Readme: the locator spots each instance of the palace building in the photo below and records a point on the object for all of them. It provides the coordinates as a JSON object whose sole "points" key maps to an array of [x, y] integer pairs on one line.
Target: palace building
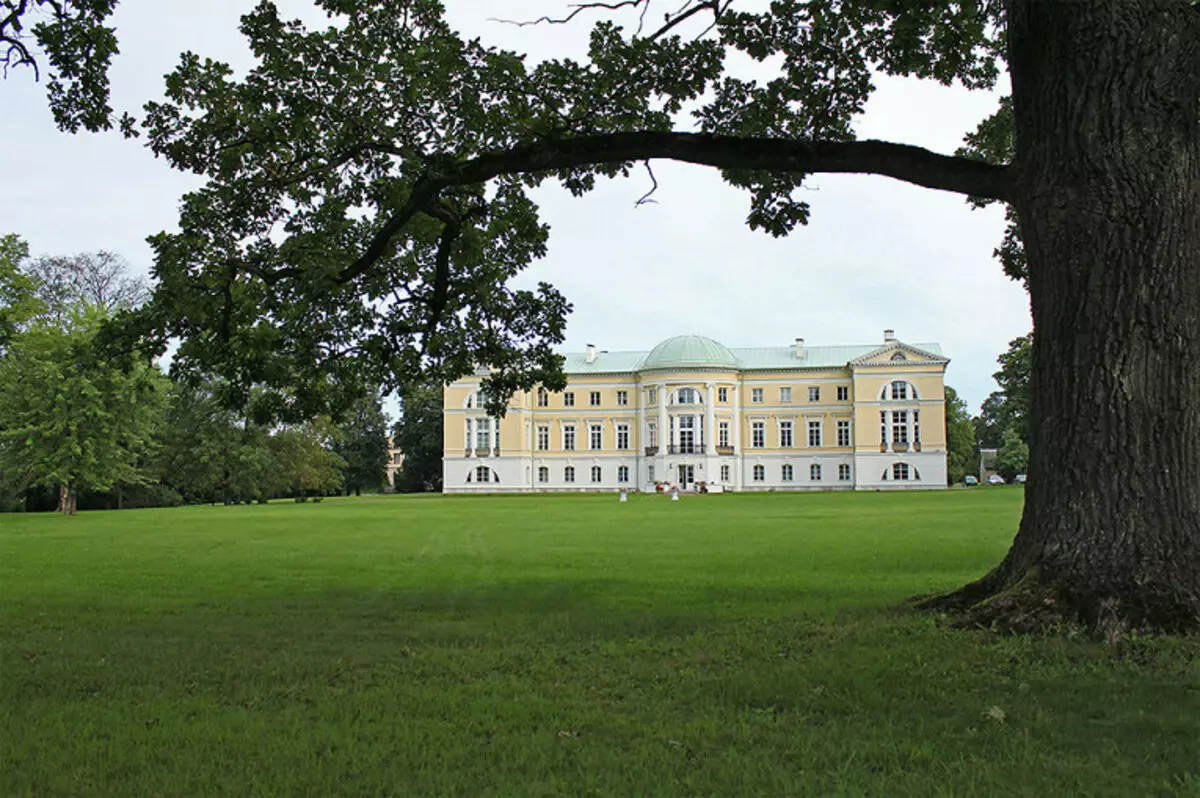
{"points": [[693, 411]]}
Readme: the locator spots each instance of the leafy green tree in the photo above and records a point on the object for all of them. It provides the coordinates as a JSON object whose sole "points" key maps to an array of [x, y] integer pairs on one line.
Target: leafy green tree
{"points": [[305, 466], [363, 215], [1008, 408], [18, 298], [76, 46], [418, 434], [71, 419], [361, 442], [1013, 457], [962, 453]]}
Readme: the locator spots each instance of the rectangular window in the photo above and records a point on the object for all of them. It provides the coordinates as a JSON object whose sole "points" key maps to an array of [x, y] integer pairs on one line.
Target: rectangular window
{"points": [[785, 395], [483, 434], [595, 436], [652, 434], [543, 474], [650, 473], [843, 393], [899, 426], [814, 394], [900, 471], [594, 399], [723, 433], [760, 473], [899, 390], [882, 427], [622, 474], [785, 435], [916, 426], [569, 437], [622, 436], [483, 474], [786, 473], [652, 396], [569, 399], [758, 434], [814, 433], [843, 433], [844, 472], [543, 398], [756, 395], [814, 472], [722, 394], [595, 473], [569, 474], [622, 398], [543, 438], [724, 473]]}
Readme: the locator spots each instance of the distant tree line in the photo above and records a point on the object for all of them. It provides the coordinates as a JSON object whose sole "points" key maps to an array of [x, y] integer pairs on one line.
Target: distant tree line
{"points": [[84, 427], [1002, 423]]}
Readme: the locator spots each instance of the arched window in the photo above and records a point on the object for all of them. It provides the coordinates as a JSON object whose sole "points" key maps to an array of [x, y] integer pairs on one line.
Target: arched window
{"points": [[543, 397], [483, 474], [814, 472], [899, 391], [901, 472], [569, 474], [687, 396], [760, 473], [543, 474], [596, 474]]}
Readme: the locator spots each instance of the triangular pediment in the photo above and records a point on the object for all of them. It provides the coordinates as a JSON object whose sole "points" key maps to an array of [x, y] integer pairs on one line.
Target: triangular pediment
{"points": [[898, 353]]}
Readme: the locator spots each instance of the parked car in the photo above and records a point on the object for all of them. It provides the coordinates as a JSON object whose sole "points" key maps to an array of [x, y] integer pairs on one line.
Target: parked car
{"points": [[995, 479], [1019, 479], [970, 480]]}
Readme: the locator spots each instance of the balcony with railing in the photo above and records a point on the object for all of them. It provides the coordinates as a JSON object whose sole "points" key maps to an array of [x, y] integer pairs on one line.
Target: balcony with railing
{"points": [[651, 451], [686, 448], [725, 450]]}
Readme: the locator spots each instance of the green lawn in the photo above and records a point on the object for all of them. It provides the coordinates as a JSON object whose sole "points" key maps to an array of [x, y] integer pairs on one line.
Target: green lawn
{"points": [[722, 645]]}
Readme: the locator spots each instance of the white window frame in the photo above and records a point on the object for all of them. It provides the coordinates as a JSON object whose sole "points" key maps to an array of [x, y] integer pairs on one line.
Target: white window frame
{"points": [[623, 474], [814, 472], [722, 433], [622, 398], [758, 434], [597, 475], [814, 393], [785, 396], [787, 434], [569, 474], [593, 399], [483, 474], [568, 437], [756, 396], [759, 473], [543, 437], [568, 398], [543, 474], [814, 434], [786, 473], [652, 396], [595, 437], [724, 473], [543, 397], [722, 394], [843, 433], [899, 426], [843, 393], [843, 472], [623, 436]]}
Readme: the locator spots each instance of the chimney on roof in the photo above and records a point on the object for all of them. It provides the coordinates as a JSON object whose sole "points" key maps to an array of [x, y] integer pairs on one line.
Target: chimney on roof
{"points": [[591, 353], [889, 336], [798, 350]]}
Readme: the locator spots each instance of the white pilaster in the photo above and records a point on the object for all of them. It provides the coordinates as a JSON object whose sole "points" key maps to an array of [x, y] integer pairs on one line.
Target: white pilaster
{"points": [[737, 438], [710, 425]]}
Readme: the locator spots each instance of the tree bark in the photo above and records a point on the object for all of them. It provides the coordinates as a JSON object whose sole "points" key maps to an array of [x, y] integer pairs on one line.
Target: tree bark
{"points": [[63, 493], [1107, 186]]}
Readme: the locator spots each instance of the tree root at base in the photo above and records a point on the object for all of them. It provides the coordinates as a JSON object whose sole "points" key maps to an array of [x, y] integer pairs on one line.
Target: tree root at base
{"points": [[1033, 604]]}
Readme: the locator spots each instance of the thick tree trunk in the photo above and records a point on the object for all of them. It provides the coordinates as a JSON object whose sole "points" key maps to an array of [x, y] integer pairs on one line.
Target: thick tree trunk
{"points": [[63, 494], [1107, 187]]}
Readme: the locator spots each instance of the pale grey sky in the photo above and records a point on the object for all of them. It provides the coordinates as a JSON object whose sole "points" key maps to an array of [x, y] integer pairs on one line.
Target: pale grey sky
{"points": [[877, 253]]}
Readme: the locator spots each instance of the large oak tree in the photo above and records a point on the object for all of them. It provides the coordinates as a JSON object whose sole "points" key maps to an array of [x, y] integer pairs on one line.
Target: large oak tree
{"points": [[366, 202]]}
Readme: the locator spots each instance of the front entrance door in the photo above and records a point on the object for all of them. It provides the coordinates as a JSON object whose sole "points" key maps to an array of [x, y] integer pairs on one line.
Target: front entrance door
{"points": [[687, 475]]}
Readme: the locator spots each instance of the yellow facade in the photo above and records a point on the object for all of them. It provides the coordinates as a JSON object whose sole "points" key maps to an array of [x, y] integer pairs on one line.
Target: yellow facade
{"points": [[691, 412]]}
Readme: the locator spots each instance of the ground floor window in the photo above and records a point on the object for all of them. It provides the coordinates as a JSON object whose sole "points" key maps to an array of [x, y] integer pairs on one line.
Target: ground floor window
{"points": [[650, 473], [724, 473], [814, 472], [543, 474], [595, 473], [786, 473], [902, 472], [622, 474], [844, 472], [760, 473], [569, 474], [483, 474]]}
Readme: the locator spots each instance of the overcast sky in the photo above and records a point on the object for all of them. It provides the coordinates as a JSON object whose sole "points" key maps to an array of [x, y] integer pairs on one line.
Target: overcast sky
{"points": [[877, 253]]}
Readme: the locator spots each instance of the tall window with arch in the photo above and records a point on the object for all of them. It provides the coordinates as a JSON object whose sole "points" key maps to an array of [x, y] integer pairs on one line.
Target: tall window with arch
{"points": [[687, 396], [543, 397], [543, 474]]}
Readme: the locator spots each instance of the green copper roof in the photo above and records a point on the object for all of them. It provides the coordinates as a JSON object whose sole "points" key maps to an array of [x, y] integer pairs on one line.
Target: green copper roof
{"points": [[696, 351], [689, 351]]}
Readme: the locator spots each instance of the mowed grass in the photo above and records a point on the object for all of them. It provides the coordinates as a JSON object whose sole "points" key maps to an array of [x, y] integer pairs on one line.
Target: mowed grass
{"points": [[520, 646]]}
